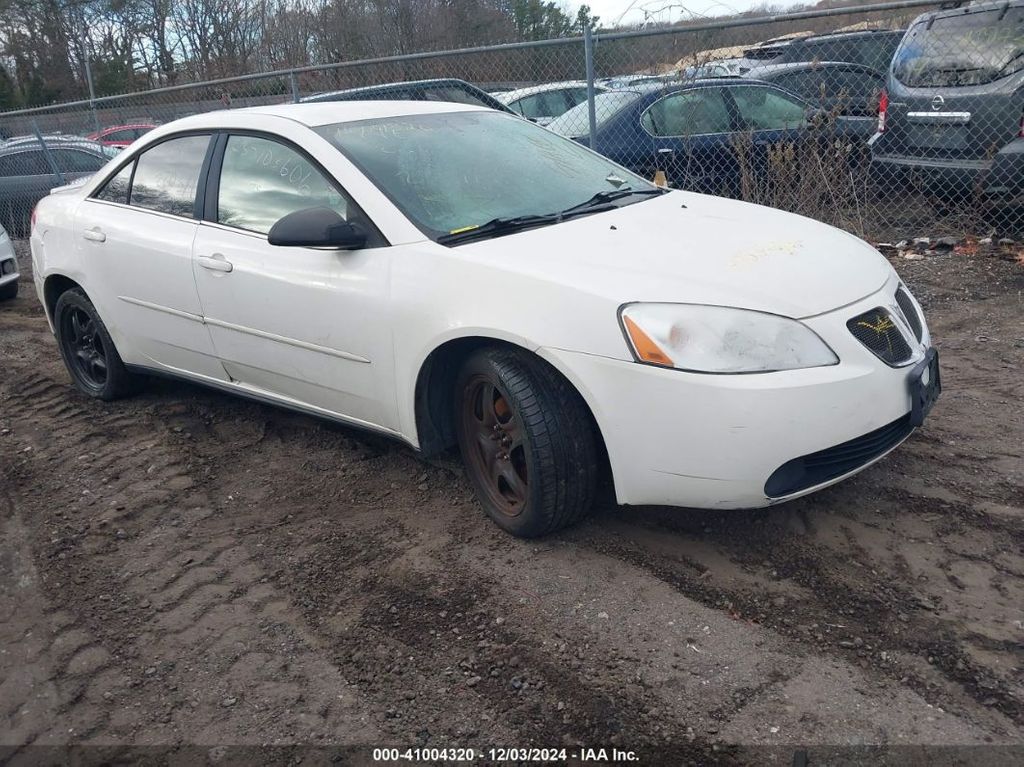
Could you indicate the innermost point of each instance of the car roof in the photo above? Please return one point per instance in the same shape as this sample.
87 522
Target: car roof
315 114
127 125
824 36
529 90
759 72
23 143
441 82
697 82
965 10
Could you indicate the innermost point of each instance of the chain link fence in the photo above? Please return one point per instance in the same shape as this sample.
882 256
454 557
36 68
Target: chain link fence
888 120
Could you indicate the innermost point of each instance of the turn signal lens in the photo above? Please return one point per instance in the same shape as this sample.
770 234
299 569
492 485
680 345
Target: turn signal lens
645 348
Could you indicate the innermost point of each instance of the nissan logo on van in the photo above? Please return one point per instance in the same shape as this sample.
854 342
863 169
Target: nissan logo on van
937 103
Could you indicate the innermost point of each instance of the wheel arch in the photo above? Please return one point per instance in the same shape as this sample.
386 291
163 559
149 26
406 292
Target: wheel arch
53 286
435 381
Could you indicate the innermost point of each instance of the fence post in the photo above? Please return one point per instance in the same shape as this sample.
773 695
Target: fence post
588 55
295 86
88 79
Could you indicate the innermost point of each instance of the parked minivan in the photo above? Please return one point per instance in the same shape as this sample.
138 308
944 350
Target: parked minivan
952 119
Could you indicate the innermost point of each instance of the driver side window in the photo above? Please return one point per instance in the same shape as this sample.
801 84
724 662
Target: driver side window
262 181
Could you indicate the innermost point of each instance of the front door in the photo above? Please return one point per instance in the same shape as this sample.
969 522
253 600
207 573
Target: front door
304 324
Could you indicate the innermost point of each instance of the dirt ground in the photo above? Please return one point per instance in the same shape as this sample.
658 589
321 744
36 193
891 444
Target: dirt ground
185 568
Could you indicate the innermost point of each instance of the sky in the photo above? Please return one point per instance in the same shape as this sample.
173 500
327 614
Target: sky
637 11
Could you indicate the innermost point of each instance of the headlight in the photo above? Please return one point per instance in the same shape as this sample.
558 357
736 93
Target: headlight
717 339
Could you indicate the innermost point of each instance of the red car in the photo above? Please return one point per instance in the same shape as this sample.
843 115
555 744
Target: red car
121 136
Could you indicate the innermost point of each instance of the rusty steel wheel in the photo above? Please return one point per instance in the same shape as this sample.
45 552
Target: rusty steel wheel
496 451
527 440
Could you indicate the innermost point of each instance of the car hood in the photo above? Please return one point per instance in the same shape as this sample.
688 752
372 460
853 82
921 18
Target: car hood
690 248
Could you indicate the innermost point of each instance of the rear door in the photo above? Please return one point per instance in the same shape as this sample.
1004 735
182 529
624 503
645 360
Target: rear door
957 86
136 235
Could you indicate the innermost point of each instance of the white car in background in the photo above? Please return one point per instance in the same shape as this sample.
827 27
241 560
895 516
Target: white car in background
452 275
543 103
9 275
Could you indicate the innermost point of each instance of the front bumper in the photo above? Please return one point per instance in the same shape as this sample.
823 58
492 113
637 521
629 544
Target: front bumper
713 441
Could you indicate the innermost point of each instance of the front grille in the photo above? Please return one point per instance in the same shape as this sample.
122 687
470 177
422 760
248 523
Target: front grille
877 331
810 470
910 312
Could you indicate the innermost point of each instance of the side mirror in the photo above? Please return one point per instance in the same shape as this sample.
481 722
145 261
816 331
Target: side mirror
316 228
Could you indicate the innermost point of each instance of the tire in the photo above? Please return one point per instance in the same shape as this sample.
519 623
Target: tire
532 456
9 291
87 349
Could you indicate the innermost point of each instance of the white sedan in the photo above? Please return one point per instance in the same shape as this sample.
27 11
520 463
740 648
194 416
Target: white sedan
451 275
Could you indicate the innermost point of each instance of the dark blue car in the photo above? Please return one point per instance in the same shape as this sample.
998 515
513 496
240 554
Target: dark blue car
710 135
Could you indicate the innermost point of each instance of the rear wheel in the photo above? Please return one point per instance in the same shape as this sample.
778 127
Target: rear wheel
527 442
87 349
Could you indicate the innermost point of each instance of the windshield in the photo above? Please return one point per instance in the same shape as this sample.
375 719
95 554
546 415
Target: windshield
458 170
576 122
969 49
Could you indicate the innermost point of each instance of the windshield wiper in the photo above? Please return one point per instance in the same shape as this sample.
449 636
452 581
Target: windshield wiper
609 195
497 227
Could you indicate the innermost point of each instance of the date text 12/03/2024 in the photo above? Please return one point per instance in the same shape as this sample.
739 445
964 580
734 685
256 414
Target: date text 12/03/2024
509 754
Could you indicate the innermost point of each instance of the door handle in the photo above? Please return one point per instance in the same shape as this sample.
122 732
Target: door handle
95 234
215 263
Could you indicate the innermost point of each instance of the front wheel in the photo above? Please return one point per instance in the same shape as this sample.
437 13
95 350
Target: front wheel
9 291
527 441
87 349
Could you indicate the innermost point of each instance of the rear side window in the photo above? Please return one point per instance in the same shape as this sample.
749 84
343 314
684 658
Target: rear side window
607 106
262 181
854 91
546 104
966 49
166 176
116 189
